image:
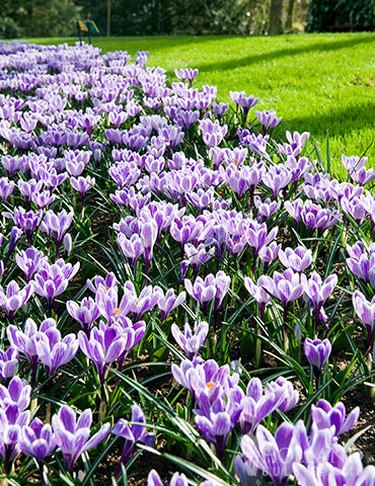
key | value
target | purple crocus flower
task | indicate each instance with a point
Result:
(256, 405)
(361, 262)
(28, 221)
(29, 261)
(290, 396)
(105, 345)
(6, 188)
(273, 455)
(52, 280)
(277, 178)
(365, 310)
(54, 351)
(12, 420)
(190, 342)
(316, 217)
(149, 234)
(269, 253)
(85, 313)
(133, 432)
(212, 288)
(324, 415)
(284, 286)
(97, 282)
(317, 292)
(243, 101)
(350, 470)
(153, 479)
(257, 235)
(37, 440)
(317, 352)
(15, 235)
(57, 224)
(169, 301)
(298, 259)
(268, 119)
(44, 345)
(16, 393)
(72, 435)
(13, 298)
(8, 363)
(82, 184)
(259, 294)
(187, 74)
(212, 132)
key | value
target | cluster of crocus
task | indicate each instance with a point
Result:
(222, 403)
(312, 457)
(198, 197)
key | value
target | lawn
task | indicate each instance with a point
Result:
(321, 83)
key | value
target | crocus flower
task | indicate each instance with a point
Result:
(82, 184)
(317, 291)
(284, 286)
(259, 294)
(72, 435)
(350, 470)
(153, 479)
(133, 432)
(29, 261)
(52, 280)
(317, 352)
(365, 310)
(298, 259)
(212, 288)
(190, 342)
(105, 345)
(13, 298)
(8, 363)
(187, 74)
(290, 395)
(37, 440)
(44, 344)
(169, 301)
(268, 119)
(273, 455)
(57, 224)
(12, 420)
(85, 313)
(28, 221)
(16, 393)
(245, 102)
(325, 416)
(256, 405)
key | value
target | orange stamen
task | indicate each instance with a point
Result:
(116, 311)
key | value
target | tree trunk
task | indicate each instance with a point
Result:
(276, 17)
(109, 18)
(289, 17)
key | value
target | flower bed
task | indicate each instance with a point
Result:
(180, 281)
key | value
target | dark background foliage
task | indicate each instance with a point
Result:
(38, 18)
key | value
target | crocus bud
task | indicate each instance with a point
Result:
(317, 352)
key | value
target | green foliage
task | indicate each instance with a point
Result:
(9, 28)
(355, 14)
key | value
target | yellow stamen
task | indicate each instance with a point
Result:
(210, 384)
(116, 311)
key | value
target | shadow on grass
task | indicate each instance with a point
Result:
(335, 123)
(289, 51)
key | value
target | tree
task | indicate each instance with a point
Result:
(276, 17)
(289, 16)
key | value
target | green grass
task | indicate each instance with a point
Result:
(322, 83)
